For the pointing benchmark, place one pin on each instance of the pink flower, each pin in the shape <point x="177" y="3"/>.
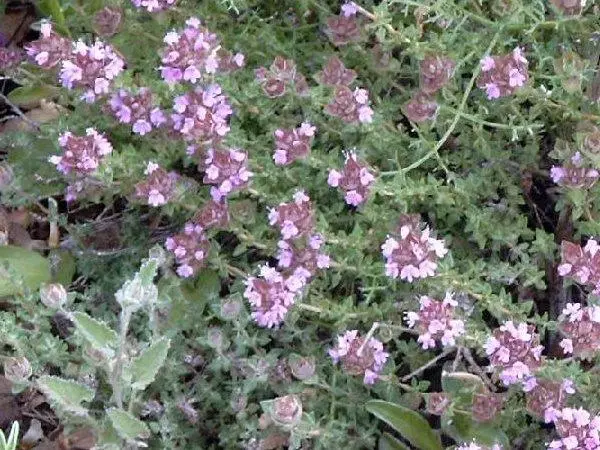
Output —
<point x="581" y="264"/>
<point x="350" y="106"/>
<point x="92" y="68"/>
<point x="227" y="170"/>
<point x="335" y="73"/>
<point x="136" y="109"/>
<point x="515" y="350"/>
<point x="412" y="253"/>
<point x="194" y="52"/>
<point x="581" y="328"/>
<point x="190" y="248"/>
<point x="302" y="258"/>
<point x="269" y="297"/>
<point x="435" y="321"/>
<point x="358" y="357"/>
<point x="81" y="154"/>
<point x="294" y="219"/>
<point x="202" y="115"/>
<point x="293" y="144"/>
<point x="355" y="180"/>
<point x="349" y="9"/>
<point x="502" y="75"/>
<point x="50" y="49"/>
<point x="576" y="429"/>
<point x="158" y="188"/>
<point x="154" y="5"/>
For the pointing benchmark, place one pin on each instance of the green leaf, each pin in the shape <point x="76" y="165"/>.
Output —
<point x="408" y="423"/>
<point x="63" y="266"/>
<point x="27" y="95"/>
<point x="97" y="333"/>
<point x="31" y="267"/>
<point x="461" y="382"/>
<point x="461" y="427"/>
<point x="128" y="426"/>
<point x="389" y="442"/>
<point x="145" y="367"/>
<point x="66" y="393"/>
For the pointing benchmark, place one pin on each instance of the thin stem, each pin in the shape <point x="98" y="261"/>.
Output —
<point x="367" y="338"/>
<point x="117" y="374"/>
<point x="20" y="113"/>
<point x="426" y="366"/>
<point x="479" y="370"/>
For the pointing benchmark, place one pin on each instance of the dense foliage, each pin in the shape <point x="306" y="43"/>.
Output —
<point x="262" y="225"/>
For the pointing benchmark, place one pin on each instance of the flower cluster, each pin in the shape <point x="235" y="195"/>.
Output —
<point x="516" y="350"/>
<point x="577" y="430"/>
<point x="153" y="5"/>
<point x="190" y="249"/>
<point x="581" y="264"/>
<point x="293" y="144"/>
<point x="435" y="72"/>
<point x="159" y="186"/>
<point x="437" y="403"/>
<point x="581" y="328"/>
<point x="420" y="107"/>
<point x="193" y="52"/>
<point x="91" y="67"/>
<point x="270" y="295"/>
<point x="335" y="73"/>
<point x="214" y="214"/>
<point x="50" y="49"/>
<point x="569" y="7"/>
<point x="350" y="106"/>
<point x="9" y="58"/>
<point x="435" y="322"/>
<point x="281" y="75"/>
<point x="486" y="406"/>
<point x="359" y="356"/>
<point x="545" y="397"/>
<point x="108" y="21"/>
<point x="137" y="110"/>
<point x="81" y="154"/>
<point x="227" y="170"/>
<point x="413" y="253"/>
<point x="202" y="115"/>
<point x="354" y="180"/>
<point x="574" y="174"/>
<point x="294" y="219"/>
<point x="344" y="28"/>
<point x="302" y="258"/>
<point x="503" y="75"/>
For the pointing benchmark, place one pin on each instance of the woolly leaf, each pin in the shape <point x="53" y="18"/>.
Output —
<point x="408" y="423"/>
<point x="145" y="367"/>
<point x="128" y="426"/>
<point x="67" y="394"/>
<point x="97" y="333"/>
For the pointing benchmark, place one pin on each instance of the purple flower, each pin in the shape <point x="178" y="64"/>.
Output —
<point x="355" y="180"/>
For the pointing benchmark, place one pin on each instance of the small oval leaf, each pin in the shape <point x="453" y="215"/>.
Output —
<point x="411" y="425"/>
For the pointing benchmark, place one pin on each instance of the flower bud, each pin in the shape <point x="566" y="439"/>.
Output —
<point x="286" y="411"/>
<point x="17" y="369"/>
<point x="230" y="309"/>
<point x="302" y="368"/>
<point x="53" y="295"/>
